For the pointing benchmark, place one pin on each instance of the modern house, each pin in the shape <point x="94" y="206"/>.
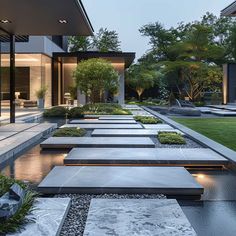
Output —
<point x="29" y="61"/>
<point x="229" y="70"/>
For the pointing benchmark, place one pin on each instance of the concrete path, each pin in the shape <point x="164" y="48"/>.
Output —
<point x="93" y="121"/>
<point x="103" y="126"/>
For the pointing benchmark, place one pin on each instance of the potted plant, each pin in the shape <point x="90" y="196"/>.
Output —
<point x="41" y="93"/>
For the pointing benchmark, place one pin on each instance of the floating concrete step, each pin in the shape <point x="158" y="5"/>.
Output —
<point x="129" y="216"/>
<point x="144" y="156"/>
<point x="103" y="126"/>
<point x="130" y="133"/>
<point x="224" y="113"/>
<point x="92" y="121"/>
<point x="101" y="179"/>
<point x="71" y="142"/>
<point x="115" y="118"/>
<point x="17" y="127"/>
<point x="157" y="126"/>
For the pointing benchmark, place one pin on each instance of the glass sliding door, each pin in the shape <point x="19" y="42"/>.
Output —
<point x="4" y="77"/>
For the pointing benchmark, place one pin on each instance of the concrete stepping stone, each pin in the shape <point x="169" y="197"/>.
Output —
<point x="103" y="126"/>
<point x="103" y="179"/>
<point x="17" y="127"/>
<point x="137" y="217"/>
<point x="92" y="121"/>
<point x="157" y="126"/>
<point x="71" y="142"/>
<point x="130" y="133"/>
<point x="48" y="215"/>
<point x="144" y="156"/>
<point x="224" y="113"/>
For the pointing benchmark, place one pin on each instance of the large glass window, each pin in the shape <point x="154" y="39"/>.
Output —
<point x="4" y="76"/>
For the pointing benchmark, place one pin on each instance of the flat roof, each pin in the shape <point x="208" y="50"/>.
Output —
<point x="127" y="57"/>
<point x="229" y="10"/>
<point x="44" y="17"/>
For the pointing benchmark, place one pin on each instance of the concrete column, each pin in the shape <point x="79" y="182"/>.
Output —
<point x="81" y="98"/>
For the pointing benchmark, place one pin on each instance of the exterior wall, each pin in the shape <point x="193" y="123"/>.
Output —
<point x="38" y="44"/>
<point x="120" y="67"/>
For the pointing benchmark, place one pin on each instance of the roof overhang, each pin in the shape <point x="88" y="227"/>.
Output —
<point x="114" y="57"/>
<point x="230" y="10"/>
<point x="44" y="17"/>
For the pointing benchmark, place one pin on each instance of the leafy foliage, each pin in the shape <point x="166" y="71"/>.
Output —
<point x="17" y="221"/>
<point x="69" y="132"/>
<point x="56" y="112"/>
<point x="147" y="119"/>
<point x="105" y="109"/>
<point x="140" y="77"/>
<point x="94" y="77"/>
<point x="76" y="112"/>
<point x="105" y="41"/>
<point x="171" y="138"/>
<point x="79" y="43"/>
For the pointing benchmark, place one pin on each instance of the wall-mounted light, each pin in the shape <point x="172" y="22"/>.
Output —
<point x="5" y="21"/>
<point x="62" y="21"/>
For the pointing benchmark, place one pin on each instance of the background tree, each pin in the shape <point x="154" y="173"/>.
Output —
<point x="105" y="41"/>
<point x="95" y="76"/>
<point x="78" y="43"/>
<point x="139" y="78"/>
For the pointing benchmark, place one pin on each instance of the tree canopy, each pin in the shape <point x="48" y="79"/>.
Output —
<point x="95" y="76"/>
<point x="190" y="56"/>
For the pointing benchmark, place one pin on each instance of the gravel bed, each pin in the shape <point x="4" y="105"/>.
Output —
<point x="76" y="219"/>
<point x="189" y="144"/>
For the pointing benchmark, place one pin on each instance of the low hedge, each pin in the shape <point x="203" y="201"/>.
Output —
<point x="171" y="138"/>
<point x="17" y="221"/>
<point x="147" y="119"/>
<point x="76" y="112"/>
<point x="56" y="112"/>
<point x="69" y="132"/>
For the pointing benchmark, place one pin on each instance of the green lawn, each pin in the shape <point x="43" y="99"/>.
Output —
<point x="222" y="130"/>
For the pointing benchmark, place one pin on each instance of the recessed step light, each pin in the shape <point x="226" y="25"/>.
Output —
<point x="62" y="21"/>
<point x="5" y="21"/>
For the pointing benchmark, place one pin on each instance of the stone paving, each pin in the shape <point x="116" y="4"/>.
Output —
<point x="102" y="179"/>
<point x="126" y="217"/>
<point x="104" y="171"/>
<point x="144" y="156"/>
<point x="94" y="121"/>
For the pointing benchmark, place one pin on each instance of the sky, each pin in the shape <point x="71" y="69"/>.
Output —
<point x="127" y="16"/>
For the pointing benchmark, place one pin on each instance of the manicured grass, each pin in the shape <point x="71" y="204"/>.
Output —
<point x="221" y="130"/>
<point x="171" y="138"/>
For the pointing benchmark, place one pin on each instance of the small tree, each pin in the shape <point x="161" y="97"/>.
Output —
<point x="106" y="41"/>
<point x="140" y="78"/>
<point x="94" y="77"/>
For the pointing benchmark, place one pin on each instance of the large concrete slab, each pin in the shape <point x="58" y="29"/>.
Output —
<point x="224" y="113"/>
<point x="144" y="156"/>
<point x="157" y="126"/>
<point x="128" y="217"/>
<point x="93" y="121"/>
<point x="129" y="133"/>
<point x="17" y="127"/>
<point x="48" y="217"/>
<point x="4" y="135"/>
<point x="104" y="126"/>
<point x="108" y="116"/>
<point x="71" y="142"/>
<point x="101" y="179"/>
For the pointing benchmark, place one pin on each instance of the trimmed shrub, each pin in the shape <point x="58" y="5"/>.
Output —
<point x="76" y="112"/>
<point x="56" y="112"/>
<point x="17" y="221"/>
<point x="69" y="132"/>
<point x="171" y="138"/>
<point x="147" y="119"/>
<point x="105" y="109"/>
